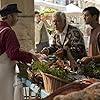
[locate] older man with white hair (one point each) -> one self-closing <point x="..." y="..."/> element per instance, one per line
<point x="68" y="40"/>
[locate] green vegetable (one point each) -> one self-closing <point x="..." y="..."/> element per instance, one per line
<point x="91" y="69"/>
<point x="23" y="74"/>
<point x="42" y="66"/>
<point x="23" y="70"/>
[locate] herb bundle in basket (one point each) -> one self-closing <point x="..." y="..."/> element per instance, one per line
<point x="42" y="66"/>
<point x="53" y="77"/>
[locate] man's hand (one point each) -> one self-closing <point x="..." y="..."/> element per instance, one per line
<point x="86" y="60"/>
<point x="45" y="51"/>
<point x="35" y="58"/>
<point x="41" y="56"/>
<point x="59" y="52"/>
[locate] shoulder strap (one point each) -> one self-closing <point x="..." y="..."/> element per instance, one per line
<point x="3" y="29"/>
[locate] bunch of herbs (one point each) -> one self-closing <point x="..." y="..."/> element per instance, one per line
<point x="42" y="66"/>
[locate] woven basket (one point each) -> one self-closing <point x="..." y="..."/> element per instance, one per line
<point x="51" y="83"/>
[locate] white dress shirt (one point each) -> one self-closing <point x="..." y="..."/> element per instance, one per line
<point x="63" y="34"/>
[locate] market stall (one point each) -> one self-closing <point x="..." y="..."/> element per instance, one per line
<point x="50" y="74"/>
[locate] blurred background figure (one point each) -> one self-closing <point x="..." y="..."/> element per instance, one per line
<point x="41" y="33"/>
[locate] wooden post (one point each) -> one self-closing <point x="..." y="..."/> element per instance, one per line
<point x="25" y="26"/>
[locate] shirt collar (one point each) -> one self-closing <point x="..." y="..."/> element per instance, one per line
<point x="65" y="30"/>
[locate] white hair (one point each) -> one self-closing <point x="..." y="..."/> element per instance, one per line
<point x="60" y="15"/>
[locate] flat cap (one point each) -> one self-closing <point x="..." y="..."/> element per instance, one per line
<point x="9" y="9"/>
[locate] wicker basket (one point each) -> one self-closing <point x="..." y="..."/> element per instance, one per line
<point x="51" y="83"/>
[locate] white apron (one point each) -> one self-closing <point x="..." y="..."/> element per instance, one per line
<point x="18" y="89"/>
<point x="7" y="79"/>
